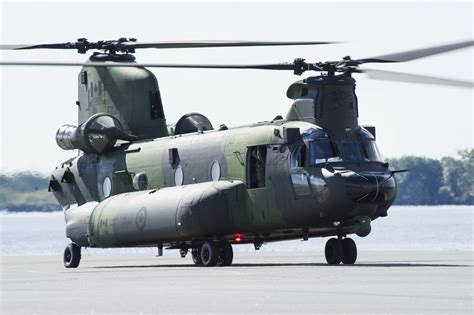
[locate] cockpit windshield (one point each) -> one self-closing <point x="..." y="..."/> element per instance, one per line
<point x="323" y="151"/>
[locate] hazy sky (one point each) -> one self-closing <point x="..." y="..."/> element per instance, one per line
<point x="411" y="119"/>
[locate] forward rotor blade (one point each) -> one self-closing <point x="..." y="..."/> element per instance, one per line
<point x="281" y="66"/>
<point x="82" y="45"/>
<point x="418" y="53"/>
<point x="13" y="47"/>
<point x="414" y="78"/>
<point x="214" y="43"/>
<point x="40" y="46"/>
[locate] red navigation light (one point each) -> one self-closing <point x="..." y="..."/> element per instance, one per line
<point x="237" y="237"/>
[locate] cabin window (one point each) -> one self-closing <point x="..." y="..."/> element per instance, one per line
<point x="215" y="171"/>
<point x="107" y="187"/>
<point x="178" y="176"/>
<point x="256" y="166"/>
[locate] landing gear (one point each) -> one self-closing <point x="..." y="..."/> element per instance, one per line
<point x="349" y="251"/>
<point x="333" y="251"/>
<point x="72" y="256"/>
<point x="226" y="254"/>
<point x="340" y="250"/>
<point x="183" y="252"/>
<point x="196" y="254"/>
<point x="213" y="254"/>
<point x="209" y="254"/>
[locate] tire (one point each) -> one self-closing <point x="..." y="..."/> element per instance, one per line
<point x="226" y="255"/>
<point x="196" y="255"/>
<point x="349" y="251"/>
<point x="209" y="254"/>
<point x="72" y="256"/>
<point x="333" y="251"/>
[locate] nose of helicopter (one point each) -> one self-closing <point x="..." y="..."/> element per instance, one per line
<point x="370" y="187"/>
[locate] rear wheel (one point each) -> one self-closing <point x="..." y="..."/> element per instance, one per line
<point x="226" y="254"/>
<point x="209" y="254"/>
<point x="349" y="251"/>
<point x="333" y="251"/>
<point x="72" y="256"/>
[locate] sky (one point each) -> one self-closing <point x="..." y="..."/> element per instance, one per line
<point x="411" y="119"/>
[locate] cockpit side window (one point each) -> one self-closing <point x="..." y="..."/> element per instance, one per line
<point x="298" y="157"/>
<point x="370" y="151"/>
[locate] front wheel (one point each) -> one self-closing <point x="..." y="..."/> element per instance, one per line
<point x="349" y="251"/>
<point x="72" y="256"/>
<point x="333" y="251"/>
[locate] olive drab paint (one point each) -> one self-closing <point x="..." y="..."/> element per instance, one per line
<point x="132" y="95"/>
<point x="257" y="193"/>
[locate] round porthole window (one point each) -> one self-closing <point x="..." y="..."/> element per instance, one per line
<point x="215" y="171"/>
<point x="178" y="176"/>
<point x="107" y="187"/>
<point x="140" y="181"/>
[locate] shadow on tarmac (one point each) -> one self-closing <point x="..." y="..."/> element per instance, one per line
<point x="361" y="265"/>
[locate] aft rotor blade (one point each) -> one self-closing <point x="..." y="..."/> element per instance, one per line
<point x="418" y="53"/>
<point x="215" y="43"/>
<point x="281" y="66"/>
<point x="414" y="78"/>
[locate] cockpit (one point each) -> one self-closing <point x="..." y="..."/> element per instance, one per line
<point x="320" y="164"/>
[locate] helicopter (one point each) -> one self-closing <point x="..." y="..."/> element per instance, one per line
<point x="140" y="182"/>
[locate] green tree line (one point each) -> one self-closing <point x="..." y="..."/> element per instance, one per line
<point x="428" y="182"/>
<point x="26" y="191"/>
<point x="434" y="182"/>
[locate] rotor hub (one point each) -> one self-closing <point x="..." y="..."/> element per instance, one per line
<point x="101" y="57"/>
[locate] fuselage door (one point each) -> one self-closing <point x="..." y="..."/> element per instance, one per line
<point x="256" y="177"/>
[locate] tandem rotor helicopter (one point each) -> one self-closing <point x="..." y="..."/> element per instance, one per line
<point x="139" y="182"/>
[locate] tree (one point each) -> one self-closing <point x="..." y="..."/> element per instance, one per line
<point x="421" y="185"/>
<point x="458" y="178"/>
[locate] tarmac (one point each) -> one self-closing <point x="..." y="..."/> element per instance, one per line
<point x="401" y="282"/>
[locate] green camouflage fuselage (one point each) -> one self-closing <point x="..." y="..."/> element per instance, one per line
<point x="202" y="208"/>
<point x="254" y="181"/>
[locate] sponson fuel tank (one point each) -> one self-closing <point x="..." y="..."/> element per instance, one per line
<point x="158" y="215"/>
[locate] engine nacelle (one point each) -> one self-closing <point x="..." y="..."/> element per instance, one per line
<point x="97" y="135"/>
